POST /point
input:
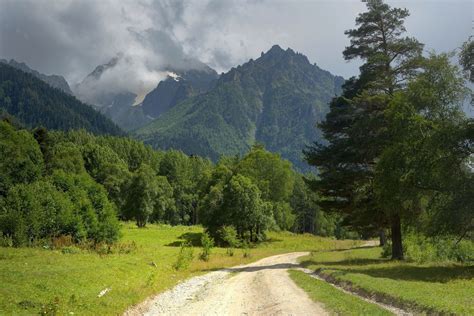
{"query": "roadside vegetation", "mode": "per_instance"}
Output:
(335, 301)
(431, 288)
(69, 279)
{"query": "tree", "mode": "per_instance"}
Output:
(165, 206)
(236, 202)
(21, 160)
(142, 195)
(97, 215)
(66, 156)
(355, 126)
(424, 169)
(36, 211)
(272, 175)
(116, 178)
(246, 211)
(466, 58)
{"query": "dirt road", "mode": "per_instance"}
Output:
(260, 288)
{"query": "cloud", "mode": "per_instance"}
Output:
(72, 37)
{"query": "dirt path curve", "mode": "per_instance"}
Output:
(259, 288)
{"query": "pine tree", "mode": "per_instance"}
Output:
(356, 126)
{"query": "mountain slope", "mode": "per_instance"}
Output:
(275, 100)
(178, 86)
(33, 102)
(54, 81)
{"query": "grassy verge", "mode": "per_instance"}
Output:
(441, 288)
(34, 279)
(334, 300)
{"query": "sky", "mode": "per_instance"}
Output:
(71, 38)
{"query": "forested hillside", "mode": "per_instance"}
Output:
(54, 81)
(275, 100)
(178, 86)
(35, 103)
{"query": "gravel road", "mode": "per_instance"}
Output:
(259, 288)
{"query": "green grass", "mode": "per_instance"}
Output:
(440, 288)
(334, 300)
(70, 282)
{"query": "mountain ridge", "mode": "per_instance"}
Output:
(55, 81)
(34, 103)
(275, 100)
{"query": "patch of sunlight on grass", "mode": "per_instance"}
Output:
(445, 288)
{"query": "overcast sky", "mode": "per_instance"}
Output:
(70, 38)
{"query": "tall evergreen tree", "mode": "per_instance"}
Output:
(356, 127)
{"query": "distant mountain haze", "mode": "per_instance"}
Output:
(275, 100)
(112, 95)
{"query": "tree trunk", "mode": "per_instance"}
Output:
(397, 247)
(382, 238)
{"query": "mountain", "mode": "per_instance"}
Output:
(117, 104)
(178, 86)
(54, 81)
(34, 103)
(275, 100)
(120, 104)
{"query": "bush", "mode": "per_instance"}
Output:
(422, 249)
(228, 235)
(70, 250)
(246, 250)
(66, 210)
(185, 256)
(207, 243)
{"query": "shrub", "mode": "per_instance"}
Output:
(228, 235)
(70, 250)
(246, 250)
(185, 256)
(207, 243)
(421, 249)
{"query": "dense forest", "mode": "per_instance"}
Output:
(77, 184)
(34, 103)
(400, 147)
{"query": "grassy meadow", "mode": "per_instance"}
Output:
(335, 301)
(69, 280)
(441, 288)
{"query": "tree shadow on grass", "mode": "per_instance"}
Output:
(194, 239)
(348, 262)
(404, 271)
(424, 274)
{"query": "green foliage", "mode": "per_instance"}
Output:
(228, 235)
(422, 249)
(66, 157)
(142, 195)
(35, 103)
(37, 211)
(185, 257)
(98, 217)
(399, 144)
(466, 59)
(207, 243)
(21, 160)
